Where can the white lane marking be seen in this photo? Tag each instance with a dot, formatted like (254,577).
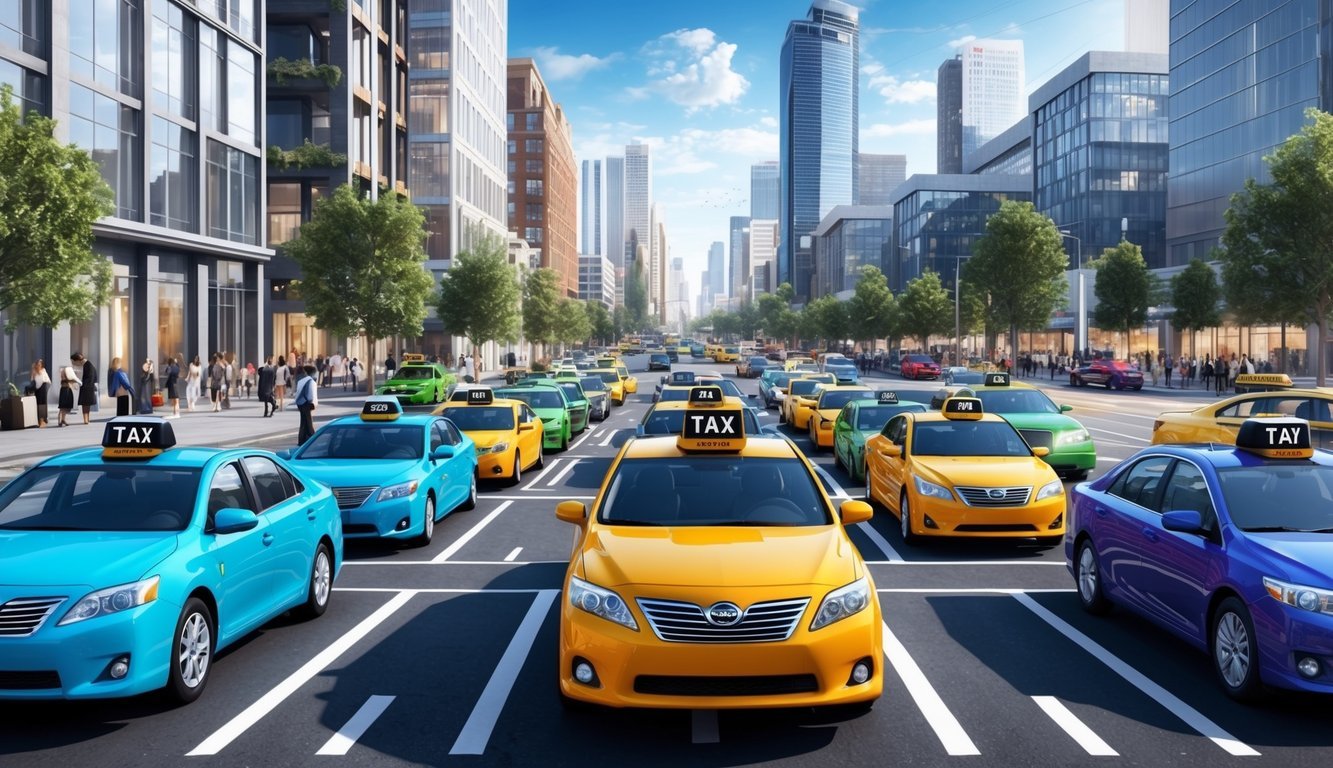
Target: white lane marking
(610,434)
(703,726)
(1191,716)
(444,590)
(966,562)
(880,541)
(446,562)
(1076,728)
(512,556)
(477,730)
(587,433)
(966,591)
(938,716)
(838,491)
(1109,460)
(1120,434)
(452,549)
(550,465)
(278,693)
(565,470)
(537,495)
(342,741)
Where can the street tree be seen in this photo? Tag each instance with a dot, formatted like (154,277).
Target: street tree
(50,196)
(541,300)
(1195,294)
(826,319)
(619,323)
(1279,236)
(925,309)
(600,322)
(1020,265)
(479,295)
(571,323)
(871,311)
(776,317)
(363,266)
(748,320)
(1124,289)
(636,297)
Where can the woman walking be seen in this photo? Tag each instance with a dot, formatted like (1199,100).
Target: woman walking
(217,377)
(192,379)
(173,377)
(41,387)
(69,379)
(280,376)
(87,387)
(118,386)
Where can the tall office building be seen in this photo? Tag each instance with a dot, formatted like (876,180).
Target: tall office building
(1147,25)
(949,116)
(879,175)
(590,202)
(543,201)
(992,100)
(717,270)
(738,277)
(765,183)
(614,190)
(656,268)
(819,130)
(167,98)
(638,201)
(763,254)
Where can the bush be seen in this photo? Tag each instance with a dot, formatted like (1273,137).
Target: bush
(281,70)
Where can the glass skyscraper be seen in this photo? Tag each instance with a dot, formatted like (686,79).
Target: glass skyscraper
(949,116)
(591,200)
(819,133)
(992,97)
(764,183)
(851,237)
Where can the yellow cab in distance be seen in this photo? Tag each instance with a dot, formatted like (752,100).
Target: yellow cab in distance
(961,472)
(803,398)
(712,350)
(828,406)
(412,357)
(614,384)
(794,360)
(1262,394)
(630,383)
(508,433)
(711,572)
(727,354)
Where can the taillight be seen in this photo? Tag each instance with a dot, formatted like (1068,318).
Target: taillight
(1157,424)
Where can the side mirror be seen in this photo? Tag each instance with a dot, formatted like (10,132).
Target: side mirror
(1183,520)
(1066,408)
(527,426)
(892,450)
(571,512)
(233,520)
(1041,451)
(286,453)
(853,512)
(442,453)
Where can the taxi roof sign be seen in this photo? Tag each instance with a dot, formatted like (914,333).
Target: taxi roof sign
(682,377)
(1276,438)
(962,408)
(381,409)
(887,397)
(480,396)
(712,429)
(706,396)
(136,437)
(996,379)
(1262,382)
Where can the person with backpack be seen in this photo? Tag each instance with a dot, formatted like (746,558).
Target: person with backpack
(304,398)
(118,386)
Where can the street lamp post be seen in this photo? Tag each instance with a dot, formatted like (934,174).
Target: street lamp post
(1081,320)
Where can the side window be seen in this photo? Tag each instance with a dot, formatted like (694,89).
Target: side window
(528,415)
(889,428)
(1299,407)
(848,414)
(1187,489)
(437,435)
(452,435)
(290,483)
(268,483)
(227,490)
(1142,484)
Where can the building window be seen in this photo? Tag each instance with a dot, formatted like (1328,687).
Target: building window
(110,132)
(173,177)
(233,194)
(212,68)
(512,146)
(105,46)
(286,123)
(509,121)
(173,53)
(437,232)
(429,47)
(170,320)
(239,15)
(534,212)
(536,166)
(428,169)
(23,26)
(428,109)
(533,187)
(29,87)
(240,92)
(534,146)
(284,211)
(532,121)
(533,235)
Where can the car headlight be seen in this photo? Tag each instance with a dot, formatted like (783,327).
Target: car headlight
(841,603)
(1053,488)
(927,488)
(589,597)
(112,600)
(398,491)
(1075,436)
(1306,598)
(497,448)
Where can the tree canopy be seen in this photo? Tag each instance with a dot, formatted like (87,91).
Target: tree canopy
(479,295)
(872,312)
(541,302)
(1124,289)
(1195,294)
(925,309)
(600,322)
(1020,265)
(826,318)
(636,297)
(571,322)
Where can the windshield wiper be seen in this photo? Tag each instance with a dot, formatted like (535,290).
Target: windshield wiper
(1276,529)
(635,522)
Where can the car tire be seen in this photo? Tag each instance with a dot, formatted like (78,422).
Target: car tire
(193,640)
(905,520)
(1138,388)
(1234,651)
(470,502)
(517,477)
(1088,580)
(427,523)
(564,442)
(782,415)
(1115,383)
(321,583)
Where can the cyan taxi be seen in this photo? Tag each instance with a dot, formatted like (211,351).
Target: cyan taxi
(507,433)
(393,474)
(126,568)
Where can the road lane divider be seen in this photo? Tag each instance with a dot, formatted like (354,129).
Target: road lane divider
(836,491)
(565,470)
(587,433)
(1119,434)
(477,730)
(884,546)
(1076,729)
(610,435)
(452,549)
(947,728)
(252,714)
(512,556)
(342,741)
(550,465)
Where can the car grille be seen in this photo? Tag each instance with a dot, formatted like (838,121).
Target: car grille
(766,685)
(1038,438)
(353,496)
(29,681)
(995,528)
(353,529)
(677,622)
(981,497)
(23,616)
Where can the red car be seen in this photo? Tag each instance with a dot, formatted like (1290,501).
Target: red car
(1112,374)
(919,367)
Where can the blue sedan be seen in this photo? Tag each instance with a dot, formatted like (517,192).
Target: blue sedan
(127,568)
(1231,548)
(394,474)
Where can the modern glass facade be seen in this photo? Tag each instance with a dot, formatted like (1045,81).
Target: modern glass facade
(949,116)
(1015,160)
(878,176)
(764,186)
(849,238)
(738,277)
(590,199)
(938,219)
(819,139)
(717,270)
(992,98)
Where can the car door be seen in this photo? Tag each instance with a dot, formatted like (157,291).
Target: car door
(888,475)
(842,446)
(242,560)
(529,440)
(1182,565)
(292,526)
(452,477)
(1122,514)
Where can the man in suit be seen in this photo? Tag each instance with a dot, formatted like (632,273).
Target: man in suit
(305,403)
(267,378)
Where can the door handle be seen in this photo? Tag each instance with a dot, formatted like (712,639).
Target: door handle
(1149,534)
(267,539)
(311,514)
(1101,511)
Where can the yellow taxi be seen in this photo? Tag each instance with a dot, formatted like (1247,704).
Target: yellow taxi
(1270,394)
(794,360)
(508,433)
(831,400)
(607,361)
(962,472)
(727,355)
(711,350)
(803,398)
(713,572)
(630,383)
(613,383)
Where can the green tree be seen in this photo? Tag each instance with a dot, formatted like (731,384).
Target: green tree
(50,196)
(747,320)
(1124,289)
(619,322)
(871,312)
(1279,236)
(479,295)
(636,297)
(925,309)
(363,266)
(826,318)
(1195,294)
(571,324)
(724,323)
(1020,265)
(541,300)
(600,322)
(776,317)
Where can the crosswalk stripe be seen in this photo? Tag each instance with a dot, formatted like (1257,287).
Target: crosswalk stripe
(550,465)
(342,741)
(1076,728)
(452,549)
(565,470)
(947,728)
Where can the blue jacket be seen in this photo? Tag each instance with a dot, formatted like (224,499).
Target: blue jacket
(119,381)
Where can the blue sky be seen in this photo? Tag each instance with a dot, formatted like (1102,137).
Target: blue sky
(698,81)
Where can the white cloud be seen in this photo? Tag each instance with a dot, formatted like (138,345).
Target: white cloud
(897,91)
(905,128)
(960,42)
(768,121)
(693,69)
(555,65)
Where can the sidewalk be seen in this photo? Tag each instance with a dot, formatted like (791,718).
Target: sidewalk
(1061,382)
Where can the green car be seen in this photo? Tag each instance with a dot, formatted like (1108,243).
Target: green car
(580,407)
(1041,422)
(860,419)
(552,407)
(418,384)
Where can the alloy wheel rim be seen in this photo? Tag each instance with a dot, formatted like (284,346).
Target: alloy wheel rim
(430,517)
(905,518)
(1087,574)
(1232,649)
(321,580)
(196,645)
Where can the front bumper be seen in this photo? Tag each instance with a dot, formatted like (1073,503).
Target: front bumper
(552,438)
(496,465)
(1082,458)
(420,397)
(823,433)
(932,516)
(380,519)
(1286,634)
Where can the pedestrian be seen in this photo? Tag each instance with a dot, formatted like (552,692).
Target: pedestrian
(281,375)
(88,386)
(193,377)
(41,387)
(267,375)
(118,386)
(69,379)
(228,378)
(389,366)
(462,367)
(173,383)
(470,365)
(1168,367)
(304,398)
(1206,373)
(217,380)
(248,377)
(147,376)
(321,369)
(354,370)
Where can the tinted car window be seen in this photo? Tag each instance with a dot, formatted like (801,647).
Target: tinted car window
(1285,405)
(227,490)
(364,441)
(1015,401)
(875,416)
(1279,496)
(537,398)
(713,490)
(268,483)
(99,499)
(482,418)
(840,398)
(672,422)
(1187,489)
(968,438)
(1142,483)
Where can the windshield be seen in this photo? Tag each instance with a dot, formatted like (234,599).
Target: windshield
(660,358)
(105,498)
(415,373)
(610,377)
(968,438)
(1015,401)
(780,379)
(876,416)
(805,386)
(672,394)
(839,398)
(1304,490)
(672,422)
(967,377)
(730,350)
(537,398)
(592,384)
(573,391)
(839,362)
(364,441)
(920,359)
(476,418)
(713,490)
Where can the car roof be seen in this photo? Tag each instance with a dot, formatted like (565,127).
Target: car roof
(179,457)
(665,447)
(405,418)
(1224,456)
(938,417)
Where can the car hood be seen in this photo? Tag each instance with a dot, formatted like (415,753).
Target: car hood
(1055,422)
(1302,558)
(90,559)
(344,472)
(986,471)
(550,416)
(719,557)
(488,438)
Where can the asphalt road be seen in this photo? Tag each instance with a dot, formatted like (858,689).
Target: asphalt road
(446,655)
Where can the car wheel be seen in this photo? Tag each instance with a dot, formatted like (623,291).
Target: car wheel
(1115,383)
(471,501)
(869,497)
(192,656)
(1138,388)
(321,583)
(905,520)
(517,477)
(1235,652)
(814,435)
(782,415)
(427,523)
(564,442)
(1088,578)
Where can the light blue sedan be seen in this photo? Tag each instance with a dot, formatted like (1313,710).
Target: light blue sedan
(126,569)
